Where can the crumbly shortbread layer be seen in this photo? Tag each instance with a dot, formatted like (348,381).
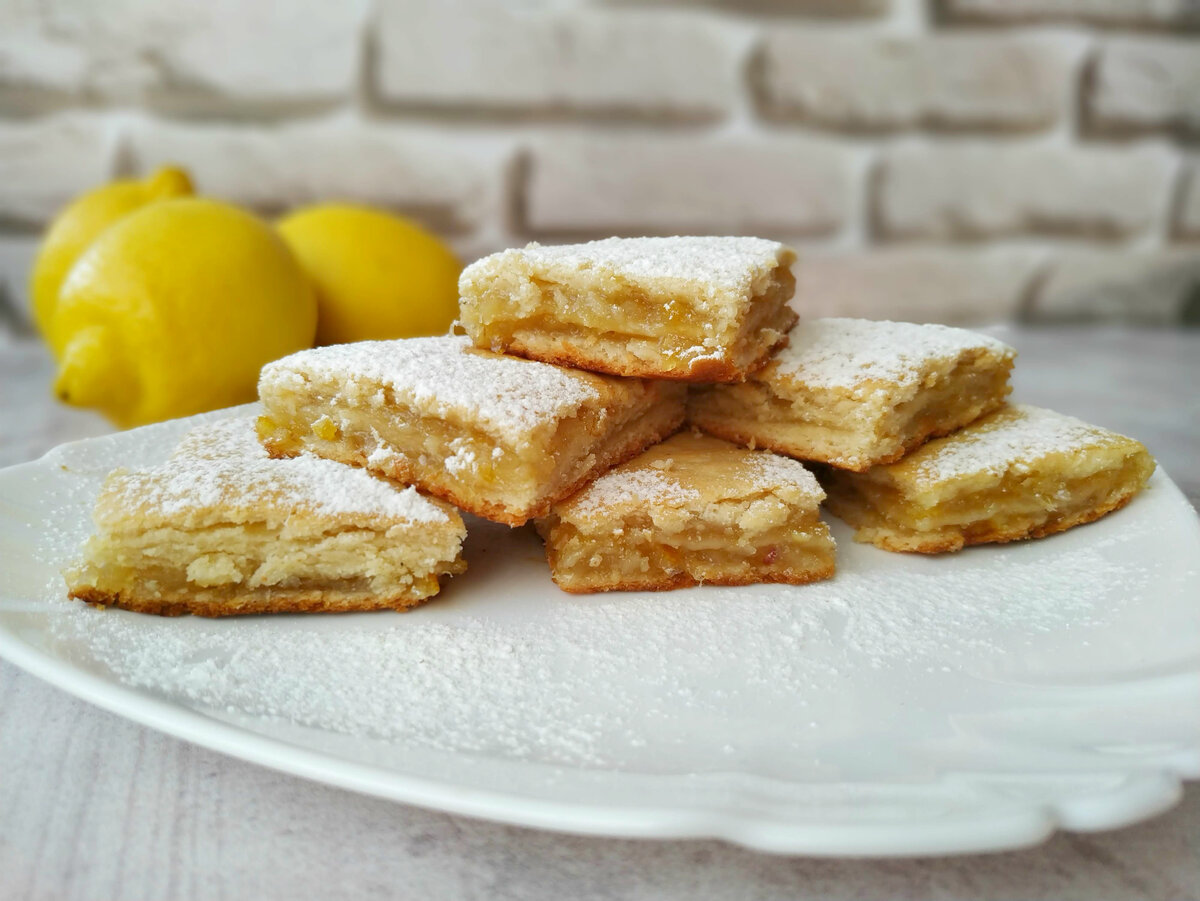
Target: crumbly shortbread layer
(1021,472)
(222,529)
(691,510)
(502,437)
(688,308)
(857,393)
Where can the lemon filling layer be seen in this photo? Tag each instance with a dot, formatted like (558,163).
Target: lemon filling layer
(461,461)
(644,554)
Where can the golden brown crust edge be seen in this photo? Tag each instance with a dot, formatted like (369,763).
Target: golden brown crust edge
(941,543)
(686,580)
(700,371)
(298,602)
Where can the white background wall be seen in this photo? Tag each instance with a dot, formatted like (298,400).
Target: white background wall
(948,160)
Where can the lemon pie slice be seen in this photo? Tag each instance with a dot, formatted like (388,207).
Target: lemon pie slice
(695,309)
(501,437)
(222,529)
(855,393)
(691,510)
(1021,472)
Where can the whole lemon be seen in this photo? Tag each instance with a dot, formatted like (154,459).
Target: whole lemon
(74,229)
(376,275)
(175,308)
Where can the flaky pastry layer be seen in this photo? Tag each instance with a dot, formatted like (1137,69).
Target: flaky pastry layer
(933,502)
(688,511)
(872,423)
(222,529)
(507,478)
(643,559)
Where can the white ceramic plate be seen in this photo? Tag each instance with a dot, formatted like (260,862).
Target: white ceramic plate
(910,706)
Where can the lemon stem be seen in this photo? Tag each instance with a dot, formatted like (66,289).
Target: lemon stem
(169,181)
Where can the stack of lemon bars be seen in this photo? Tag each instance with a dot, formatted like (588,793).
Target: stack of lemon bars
(650,404)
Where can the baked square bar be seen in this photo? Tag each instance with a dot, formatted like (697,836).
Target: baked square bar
(693,509)
(696,309)
(855,393)
(1021,472)
(499,436)
(222,529)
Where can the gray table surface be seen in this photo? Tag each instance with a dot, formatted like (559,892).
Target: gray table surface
(95,807)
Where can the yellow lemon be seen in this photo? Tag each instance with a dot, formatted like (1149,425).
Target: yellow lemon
(81,222)
(376,275)
(174,309)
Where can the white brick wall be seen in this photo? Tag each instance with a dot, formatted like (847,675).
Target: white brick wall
(953,160)
(1151,288)
(476,55)
(664,185)
(959,286)
(1188,223)
(980,191)
(44,163)
(1145,84)
(1160,13)
(444,182)
(950,82)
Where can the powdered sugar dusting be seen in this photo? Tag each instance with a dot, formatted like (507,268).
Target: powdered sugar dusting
(773,469)
(846,353)
(712,264)
(667,476)
(1014,439)
(229,439)
(446,375)
(649,487)
(219,470)
(555,686)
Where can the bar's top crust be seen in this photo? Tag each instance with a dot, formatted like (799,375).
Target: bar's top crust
(690,471)
(220,474)
(707,268)
(509,396)
(1016,438)
(860,354)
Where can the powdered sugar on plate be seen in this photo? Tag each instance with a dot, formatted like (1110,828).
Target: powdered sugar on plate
(554,684)
(846,353)
(441,376)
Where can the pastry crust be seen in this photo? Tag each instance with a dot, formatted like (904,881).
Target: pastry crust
(690,511)
(688,309)
(216,604)
(499,436)
(221,529)
(1021,472)
(855,393)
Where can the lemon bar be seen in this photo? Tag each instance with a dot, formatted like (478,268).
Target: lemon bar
(693,309)
(501,437)
(691,510)
(856,393)
(222,529)
(1020,472)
